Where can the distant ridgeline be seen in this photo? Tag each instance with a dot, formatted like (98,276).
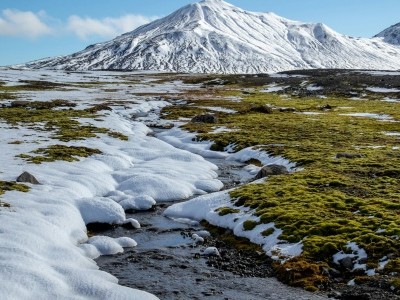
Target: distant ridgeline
(216,37)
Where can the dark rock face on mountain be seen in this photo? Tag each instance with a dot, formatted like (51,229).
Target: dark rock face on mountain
(391,35)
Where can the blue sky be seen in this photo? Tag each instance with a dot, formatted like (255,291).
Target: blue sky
(31,29)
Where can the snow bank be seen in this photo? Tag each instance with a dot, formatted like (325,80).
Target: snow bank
(369,115)
(186,140)
(204,208)
(382,90)
(273,88)
(45,250)
(266,159)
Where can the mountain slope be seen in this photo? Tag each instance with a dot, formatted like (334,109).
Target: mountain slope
(391,35)
(213,36)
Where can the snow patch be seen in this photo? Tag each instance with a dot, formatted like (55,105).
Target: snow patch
(382,90)
(369,115)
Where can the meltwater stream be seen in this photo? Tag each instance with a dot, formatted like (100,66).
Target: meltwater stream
(167,263)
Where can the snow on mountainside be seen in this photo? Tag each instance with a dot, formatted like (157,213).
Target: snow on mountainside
(213,36)
(391,35)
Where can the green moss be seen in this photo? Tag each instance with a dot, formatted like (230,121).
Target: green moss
(63,123)
(395,283)
(223,211)
(229,238)
(332,201)
(11,186)
(268,232)
(43,104)
(118,135)
(250,225)
(7,96)
(59,152)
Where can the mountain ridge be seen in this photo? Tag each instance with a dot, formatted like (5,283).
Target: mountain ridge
(391,35)
(213,36)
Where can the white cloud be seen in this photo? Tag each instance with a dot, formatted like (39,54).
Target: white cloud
(107,27)
(23,23)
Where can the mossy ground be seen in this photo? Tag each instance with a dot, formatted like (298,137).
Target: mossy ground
(6,186)
(223,211)
(64,125)
(59,152)
(332,201)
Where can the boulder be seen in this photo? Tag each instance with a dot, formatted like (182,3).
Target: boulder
(206,118)
(346,263)
(28,178)
(287,109)
(265,109)
(20,103)
(271,170)
(348,155)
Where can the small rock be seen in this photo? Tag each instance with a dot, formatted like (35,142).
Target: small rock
(27,177)
(271,170)
(326,107)
(348,155)
(356,296)
(206,118)
(334,273)
(265,109)
(287,109)
(346,263)
(363,260)
(19,103)
(335,294)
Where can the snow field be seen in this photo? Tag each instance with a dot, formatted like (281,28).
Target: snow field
(45,251)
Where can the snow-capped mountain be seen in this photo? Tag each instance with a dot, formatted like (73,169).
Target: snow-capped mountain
(391,35)
(213,36)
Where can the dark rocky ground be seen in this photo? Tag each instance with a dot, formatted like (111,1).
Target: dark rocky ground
(168,264)
(343,83)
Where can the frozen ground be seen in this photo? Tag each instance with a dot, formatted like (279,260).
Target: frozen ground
(45,250)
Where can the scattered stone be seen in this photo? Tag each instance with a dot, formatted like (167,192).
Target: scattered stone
(356,296)
(161,126)
(348,155)
(265,109)
(346,263)
(326,107)
(363,260)
(217,81)
(287,109)
(335,294)
(253,161)
(28,178)
(19,103)
(206,118)
(271,170)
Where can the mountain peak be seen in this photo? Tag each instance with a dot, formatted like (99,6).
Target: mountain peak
(213,36)
(215,2)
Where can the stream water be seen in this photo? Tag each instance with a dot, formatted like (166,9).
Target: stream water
(167,263)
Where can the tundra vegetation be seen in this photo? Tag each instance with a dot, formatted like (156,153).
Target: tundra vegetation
(347,186)
(57,117)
